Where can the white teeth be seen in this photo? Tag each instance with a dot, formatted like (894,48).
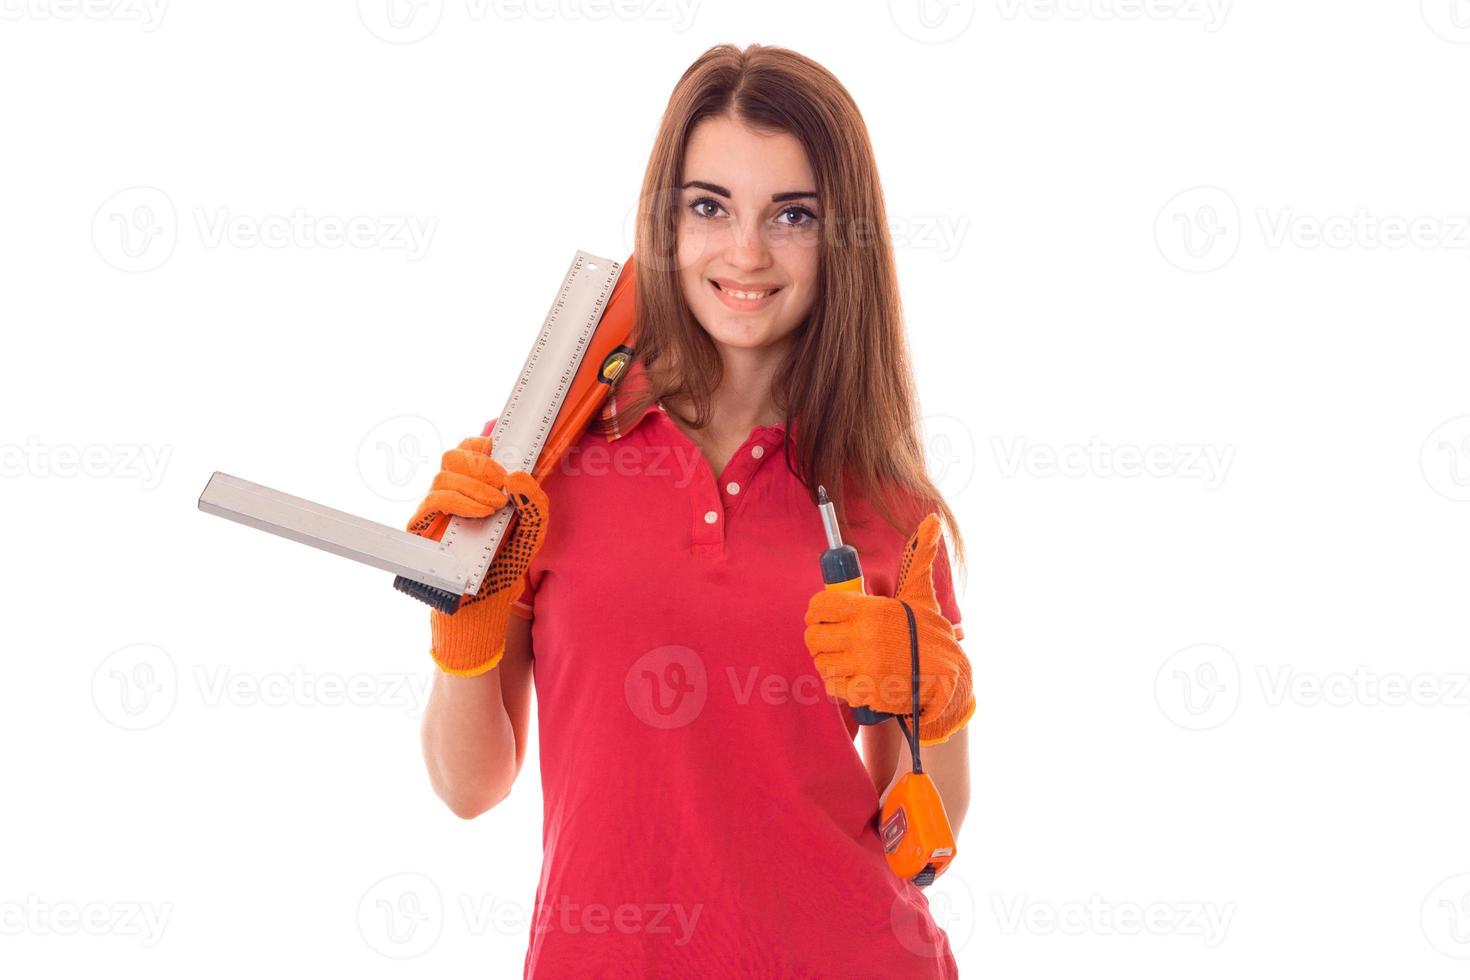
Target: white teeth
(742,295)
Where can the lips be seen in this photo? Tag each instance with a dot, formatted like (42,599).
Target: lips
(766,290)
(744,306)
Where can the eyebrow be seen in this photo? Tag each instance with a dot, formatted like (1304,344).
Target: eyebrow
(724,192)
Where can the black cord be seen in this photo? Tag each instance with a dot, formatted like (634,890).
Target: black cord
(913,737)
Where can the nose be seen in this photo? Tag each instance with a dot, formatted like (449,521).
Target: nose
(748,248)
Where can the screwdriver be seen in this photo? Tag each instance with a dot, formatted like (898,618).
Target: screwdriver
(841,571)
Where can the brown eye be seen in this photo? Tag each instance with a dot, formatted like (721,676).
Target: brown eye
(699,203)
(811,218)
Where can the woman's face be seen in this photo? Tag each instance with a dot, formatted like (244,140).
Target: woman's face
(747,222)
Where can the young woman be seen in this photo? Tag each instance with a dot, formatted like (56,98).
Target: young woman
(707,813)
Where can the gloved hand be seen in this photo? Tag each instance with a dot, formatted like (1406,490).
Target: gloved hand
(472,484)
(860,645)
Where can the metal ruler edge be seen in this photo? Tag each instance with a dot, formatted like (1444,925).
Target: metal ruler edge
(327,529)
(523,426)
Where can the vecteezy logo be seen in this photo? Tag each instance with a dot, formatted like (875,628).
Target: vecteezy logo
(136,687)
(666,687)
(950,450)
(1445,917)
(401,916)
(400,21)
(932,21)
(135,229)
(1198,687)
(951,903)
(1450,19)
(1445,459)
(691,240)
(392,455)
(1199,229)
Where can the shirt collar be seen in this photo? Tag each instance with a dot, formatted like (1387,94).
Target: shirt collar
(623,393)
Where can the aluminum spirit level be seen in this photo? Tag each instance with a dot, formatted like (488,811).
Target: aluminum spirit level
(578,357)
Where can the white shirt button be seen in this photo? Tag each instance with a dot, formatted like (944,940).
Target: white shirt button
(757,451)
(732,487)
(710,517)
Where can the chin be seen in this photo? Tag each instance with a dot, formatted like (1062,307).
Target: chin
(728,331)
(740,343)
(733,338)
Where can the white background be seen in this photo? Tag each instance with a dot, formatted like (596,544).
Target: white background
(1227,699)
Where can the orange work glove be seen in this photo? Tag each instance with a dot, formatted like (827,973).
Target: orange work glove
(860,644)
(472,484)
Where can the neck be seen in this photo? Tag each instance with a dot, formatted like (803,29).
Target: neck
(743,399)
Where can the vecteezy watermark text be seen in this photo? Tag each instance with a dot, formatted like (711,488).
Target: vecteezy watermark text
(34,916)
(1208,921)
(1210,14)
(137,687)
(403,916)
(138,228)
(1201,229)
(1362,229)
(148,14)
(408,21)
(408,233)
(1207,463)
(1200,687)
(127,461)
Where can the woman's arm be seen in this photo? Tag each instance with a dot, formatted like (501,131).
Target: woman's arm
(948,764)
(881,746)
(474,729)
(887,757)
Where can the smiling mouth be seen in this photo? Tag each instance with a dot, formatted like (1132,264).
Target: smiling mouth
(736,294)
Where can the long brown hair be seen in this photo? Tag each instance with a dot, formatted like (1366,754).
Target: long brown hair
(847,382)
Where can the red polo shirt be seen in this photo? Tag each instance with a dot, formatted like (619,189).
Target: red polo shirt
(707,813)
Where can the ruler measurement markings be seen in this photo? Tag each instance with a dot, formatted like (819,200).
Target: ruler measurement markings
(493,528)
